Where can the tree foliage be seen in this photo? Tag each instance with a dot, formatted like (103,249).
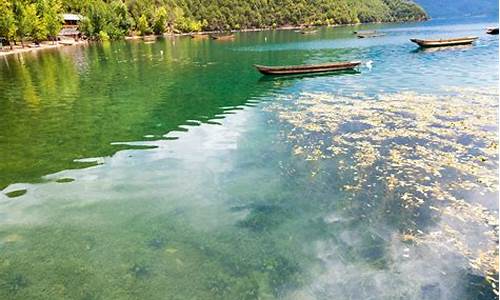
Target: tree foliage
(51,16)
(8,27)
(36,19)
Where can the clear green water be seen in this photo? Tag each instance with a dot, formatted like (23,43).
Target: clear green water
(171,171)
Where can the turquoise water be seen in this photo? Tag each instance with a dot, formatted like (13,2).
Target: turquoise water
(174,170)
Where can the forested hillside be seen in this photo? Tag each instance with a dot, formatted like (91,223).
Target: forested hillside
(459,8)
(36,19)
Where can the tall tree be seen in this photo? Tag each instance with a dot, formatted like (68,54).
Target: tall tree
(26,21)
(97,17)
(7,22)
(52,17)
(160,20)
(142,25)
(122,21)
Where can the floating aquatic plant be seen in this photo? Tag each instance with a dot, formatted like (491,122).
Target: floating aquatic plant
(433,155)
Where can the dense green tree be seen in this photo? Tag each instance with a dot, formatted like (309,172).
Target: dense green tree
(98,19)
(121,22)
(27,20)
(51,11)
(7,22)
(115,18)
(160,20)
(39,31)
(142,25)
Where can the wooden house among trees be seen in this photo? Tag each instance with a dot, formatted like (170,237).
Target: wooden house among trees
(70,27)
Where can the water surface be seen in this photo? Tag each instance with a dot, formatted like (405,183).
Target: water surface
(174,170)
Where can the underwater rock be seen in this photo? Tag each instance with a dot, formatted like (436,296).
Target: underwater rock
(157,243)
(65,180)
(281,271)
(14,282)
(16,193)
(219,285)
(140,271)
(431,291)
(264,217)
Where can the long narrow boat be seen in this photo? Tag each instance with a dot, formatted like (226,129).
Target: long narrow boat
(447,42)
(369,34)
(307,31)
(305,69)
(222,37)
(493,31)
(198,36)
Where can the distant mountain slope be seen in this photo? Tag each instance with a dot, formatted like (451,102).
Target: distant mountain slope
(239,14)
(261,13)
(459,8)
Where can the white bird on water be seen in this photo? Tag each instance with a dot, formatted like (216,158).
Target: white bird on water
(369,64)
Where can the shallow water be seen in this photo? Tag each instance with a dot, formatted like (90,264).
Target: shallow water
(174,170)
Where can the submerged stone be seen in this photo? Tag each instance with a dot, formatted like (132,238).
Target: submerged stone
(16,193)
(15,282)
(157,243)
(263,217)
(219,285)
(140,271)
(64,180)
(431,291)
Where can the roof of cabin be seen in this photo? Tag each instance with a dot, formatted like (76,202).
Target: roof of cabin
(72,17)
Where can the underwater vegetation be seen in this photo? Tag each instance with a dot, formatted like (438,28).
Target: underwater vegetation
(426,163)
(13,282)
(263,217)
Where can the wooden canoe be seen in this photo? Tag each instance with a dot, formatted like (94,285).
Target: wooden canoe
(369,35)
(447,42)
(308,31)
(222,37)
(199,36)
(493,31)
(305,69)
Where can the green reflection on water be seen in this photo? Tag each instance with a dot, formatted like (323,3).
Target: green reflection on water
(218,209)
(59,107)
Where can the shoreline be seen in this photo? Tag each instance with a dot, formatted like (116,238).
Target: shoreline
(45,45)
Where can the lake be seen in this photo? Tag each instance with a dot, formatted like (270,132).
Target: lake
(174,170)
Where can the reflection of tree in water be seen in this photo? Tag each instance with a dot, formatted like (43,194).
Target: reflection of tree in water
(74,103)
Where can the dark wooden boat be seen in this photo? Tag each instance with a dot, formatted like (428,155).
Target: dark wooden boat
(308,31)
(493,31)
(305,69)
(198,36)
(447,42)
(368,34)
(222,37)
